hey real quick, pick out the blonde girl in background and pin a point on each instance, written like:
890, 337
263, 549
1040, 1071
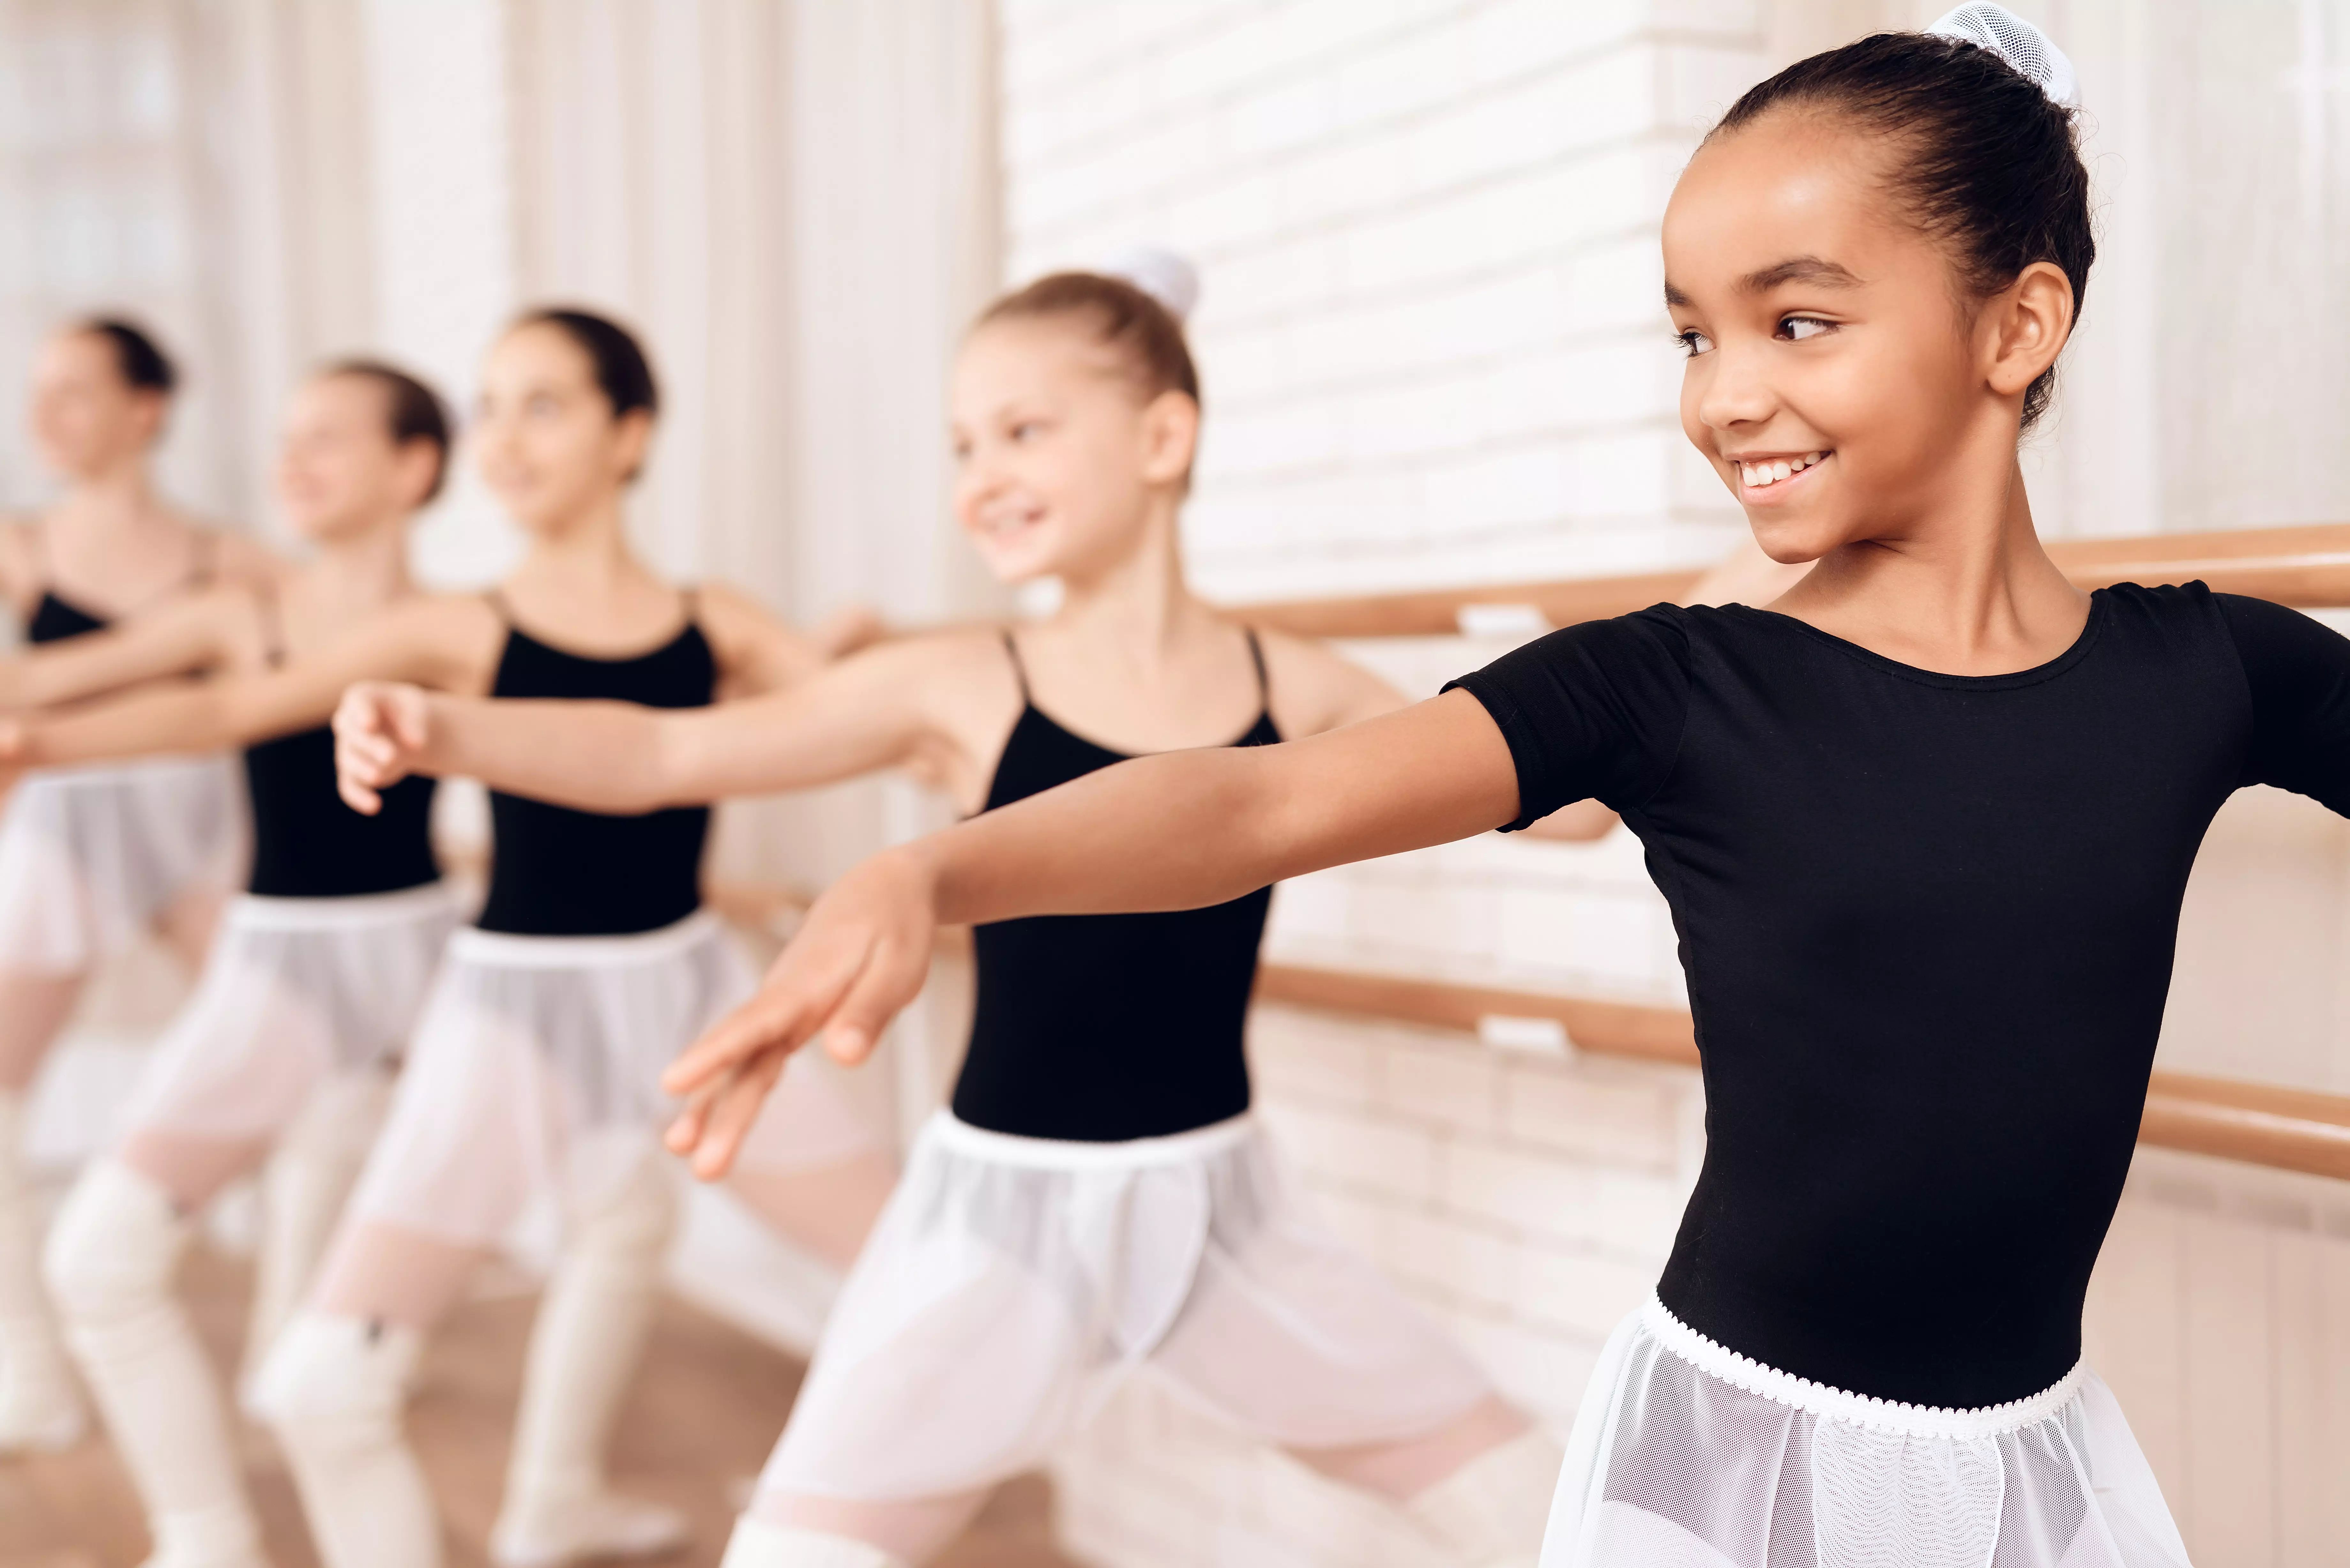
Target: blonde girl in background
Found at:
1098, 1198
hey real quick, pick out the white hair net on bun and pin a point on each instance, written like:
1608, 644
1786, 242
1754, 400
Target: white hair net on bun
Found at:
1159, 273
2018, 43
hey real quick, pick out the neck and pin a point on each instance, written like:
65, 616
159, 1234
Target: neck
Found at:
1140, 605
119, 496
366, 568
1967, 589
585, 553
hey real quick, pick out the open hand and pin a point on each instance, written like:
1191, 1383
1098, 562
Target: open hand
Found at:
381, 731
863, 954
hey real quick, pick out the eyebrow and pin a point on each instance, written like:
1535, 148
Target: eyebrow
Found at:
1817, 271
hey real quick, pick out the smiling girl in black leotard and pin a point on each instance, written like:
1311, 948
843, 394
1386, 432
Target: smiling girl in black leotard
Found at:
533, 1070
1098, 1196
1925, 826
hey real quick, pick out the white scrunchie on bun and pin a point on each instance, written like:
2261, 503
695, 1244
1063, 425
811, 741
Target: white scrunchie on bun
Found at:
1159, 273
2018, 43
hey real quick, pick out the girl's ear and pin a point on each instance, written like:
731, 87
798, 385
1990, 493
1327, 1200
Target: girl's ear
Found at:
1170, 436
2031, 318
631, 441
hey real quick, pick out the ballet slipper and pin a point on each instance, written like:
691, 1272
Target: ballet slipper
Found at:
333, 1389
1490, 1511
756, 1543
109, 1261
584, 1350
41, 1408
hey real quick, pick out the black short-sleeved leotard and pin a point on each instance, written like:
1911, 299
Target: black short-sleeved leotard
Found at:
1100, 1028
557, 872
1927, 923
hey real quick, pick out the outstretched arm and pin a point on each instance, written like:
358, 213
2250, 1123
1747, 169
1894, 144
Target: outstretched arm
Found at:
185, 638
438, 640
862, 714
1170, 832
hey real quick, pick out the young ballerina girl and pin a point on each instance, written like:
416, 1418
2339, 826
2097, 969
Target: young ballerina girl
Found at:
532, 1068
1099, 1196
308, 992
91, 858
1925, 824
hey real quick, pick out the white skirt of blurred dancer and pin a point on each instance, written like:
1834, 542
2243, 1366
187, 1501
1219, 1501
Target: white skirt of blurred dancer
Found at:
534, 1072
1690, 1456
90, 857
1013, 1282
297, 994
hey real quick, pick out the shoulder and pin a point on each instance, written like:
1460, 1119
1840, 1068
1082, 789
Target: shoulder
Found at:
238, 557
1312, 687
727, 611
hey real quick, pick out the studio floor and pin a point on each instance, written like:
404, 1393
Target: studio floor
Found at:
706, 1411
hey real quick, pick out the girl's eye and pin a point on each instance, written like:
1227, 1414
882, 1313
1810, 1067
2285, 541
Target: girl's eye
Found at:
1027, 429
1796, 328
1693, 342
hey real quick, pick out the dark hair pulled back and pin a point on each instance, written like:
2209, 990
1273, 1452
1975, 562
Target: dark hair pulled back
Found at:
412, 410
621, 369
1985, 163
144, 366
1144, 333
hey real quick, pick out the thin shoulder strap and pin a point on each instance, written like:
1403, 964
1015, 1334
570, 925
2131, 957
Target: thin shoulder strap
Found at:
689, 597
496, 599
1019, 670
272, 615
203, 559
1256, 656
42, 568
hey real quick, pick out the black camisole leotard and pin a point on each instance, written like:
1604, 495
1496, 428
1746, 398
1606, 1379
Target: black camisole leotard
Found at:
306, 844
1927, 922
56, 617
557, 872
1100, 1028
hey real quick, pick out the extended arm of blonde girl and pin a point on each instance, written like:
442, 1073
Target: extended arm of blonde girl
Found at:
857, 716
414, 642
1170, 831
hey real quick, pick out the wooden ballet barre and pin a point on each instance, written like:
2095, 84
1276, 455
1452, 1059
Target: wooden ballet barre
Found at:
2256, 1124
2306, 566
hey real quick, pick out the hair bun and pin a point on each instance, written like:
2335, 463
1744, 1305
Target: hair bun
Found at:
1159, 273
2023, 47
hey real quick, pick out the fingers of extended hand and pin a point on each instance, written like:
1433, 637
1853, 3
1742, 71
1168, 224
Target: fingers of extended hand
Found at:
774, 1018
732, 1113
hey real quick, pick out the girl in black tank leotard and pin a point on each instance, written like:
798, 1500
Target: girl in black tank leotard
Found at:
532, 1071
287, 1046
1099, 1196
1173, 986
1925, 826
95, 860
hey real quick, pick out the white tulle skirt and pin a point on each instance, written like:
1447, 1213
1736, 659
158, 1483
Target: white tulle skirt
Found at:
535, 1071
1686, 1455
91, 856
1013, 1282
295, 992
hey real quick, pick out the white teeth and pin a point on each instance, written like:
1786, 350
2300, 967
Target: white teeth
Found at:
1758, 475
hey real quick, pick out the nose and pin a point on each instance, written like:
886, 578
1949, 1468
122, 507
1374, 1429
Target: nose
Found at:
1733, 388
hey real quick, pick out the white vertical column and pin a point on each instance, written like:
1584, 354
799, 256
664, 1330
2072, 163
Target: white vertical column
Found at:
438, 74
